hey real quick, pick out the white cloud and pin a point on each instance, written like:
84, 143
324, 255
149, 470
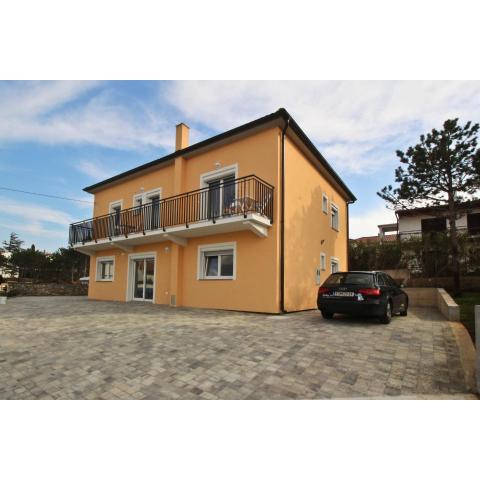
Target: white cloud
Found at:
365, 224
357, 125
36, 230
350, 121
49, 112
33, 213
94, 169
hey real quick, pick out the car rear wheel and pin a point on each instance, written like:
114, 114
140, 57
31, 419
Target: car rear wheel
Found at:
387, 316
327, 315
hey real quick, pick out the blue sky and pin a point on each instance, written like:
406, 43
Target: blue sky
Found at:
58, 137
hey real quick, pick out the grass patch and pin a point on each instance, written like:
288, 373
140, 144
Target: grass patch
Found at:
467, 302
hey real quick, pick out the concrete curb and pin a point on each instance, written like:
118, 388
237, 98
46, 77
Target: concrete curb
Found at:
467, 354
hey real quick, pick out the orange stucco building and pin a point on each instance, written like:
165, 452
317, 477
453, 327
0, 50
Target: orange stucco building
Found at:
252, 219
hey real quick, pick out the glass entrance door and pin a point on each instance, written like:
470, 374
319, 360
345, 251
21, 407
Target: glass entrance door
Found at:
144, 269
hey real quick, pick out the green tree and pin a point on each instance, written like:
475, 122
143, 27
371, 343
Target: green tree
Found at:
362, 256
66, 264
14, 244
69, 264
443, 169
30, 263
3, 259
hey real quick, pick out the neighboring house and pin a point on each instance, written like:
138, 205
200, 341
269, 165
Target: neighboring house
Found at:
382, 235
252, 219
376, 239
419, 221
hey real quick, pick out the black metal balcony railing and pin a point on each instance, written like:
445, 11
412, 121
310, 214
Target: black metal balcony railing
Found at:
242, 196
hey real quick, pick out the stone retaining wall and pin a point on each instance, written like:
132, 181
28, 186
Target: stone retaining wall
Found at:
477, 344
47, 289
434, 297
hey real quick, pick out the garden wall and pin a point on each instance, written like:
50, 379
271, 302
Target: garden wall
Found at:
47, 289
434, 297
468, 283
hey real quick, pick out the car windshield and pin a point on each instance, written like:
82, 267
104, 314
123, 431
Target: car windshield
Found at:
348, 278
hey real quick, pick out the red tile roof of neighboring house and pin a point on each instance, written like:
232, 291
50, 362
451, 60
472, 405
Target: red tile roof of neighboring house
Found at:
376, 238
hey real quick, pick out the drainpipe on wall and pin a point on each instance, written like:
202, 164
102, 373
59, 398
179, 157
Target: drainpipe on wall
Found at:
348, 236
282, 220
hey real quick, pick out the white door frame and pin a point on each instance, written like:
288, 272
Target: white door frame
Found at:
131, 275
220, 174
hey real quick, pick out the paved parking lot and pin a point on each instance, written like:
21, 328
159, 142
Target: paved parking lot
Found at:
73, 348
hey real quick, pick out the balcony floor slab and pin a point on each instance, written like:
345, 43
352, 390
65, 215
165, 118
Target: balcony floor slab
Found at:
257, 224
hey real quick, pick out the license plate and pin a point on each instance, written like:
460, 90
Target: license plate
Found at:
343, 294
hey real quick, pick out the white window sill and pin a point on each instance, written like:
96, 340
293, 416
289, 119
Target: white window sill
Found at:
104, 280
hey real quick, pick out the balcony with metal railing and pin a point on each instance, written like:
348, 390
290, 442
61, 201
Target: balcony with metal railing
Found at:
242, 204
470, 233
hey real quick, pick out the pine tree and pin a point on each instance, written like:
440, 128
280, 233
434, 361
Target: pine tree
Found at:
14, 244
443, 169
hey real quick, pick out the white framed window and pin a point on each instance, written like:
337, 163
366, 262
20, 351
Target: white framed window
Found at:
115, 207
334, 220
138, 202
152, 195
151, 201
208, 177
221, 190
325, 203
140, 199
105, 269
217, 261
323, 261
334, 264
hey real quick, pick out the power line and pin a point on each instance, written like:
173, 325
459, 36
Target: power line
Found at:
45, 195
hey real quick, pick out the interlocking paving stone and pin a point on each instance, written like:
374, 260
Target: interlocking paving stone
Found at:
75, 348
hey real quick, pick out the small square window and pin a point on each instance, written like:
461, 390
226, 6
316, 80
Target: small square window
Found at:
105, 269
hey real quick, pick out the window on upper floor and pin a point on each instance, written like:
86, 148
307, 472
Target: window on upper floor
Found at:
334, 222
325, 203
116, 209
138, 200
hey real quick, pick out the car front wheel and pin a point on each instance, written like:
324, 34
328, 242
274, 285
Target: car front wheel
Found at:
387, 316
327, 315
